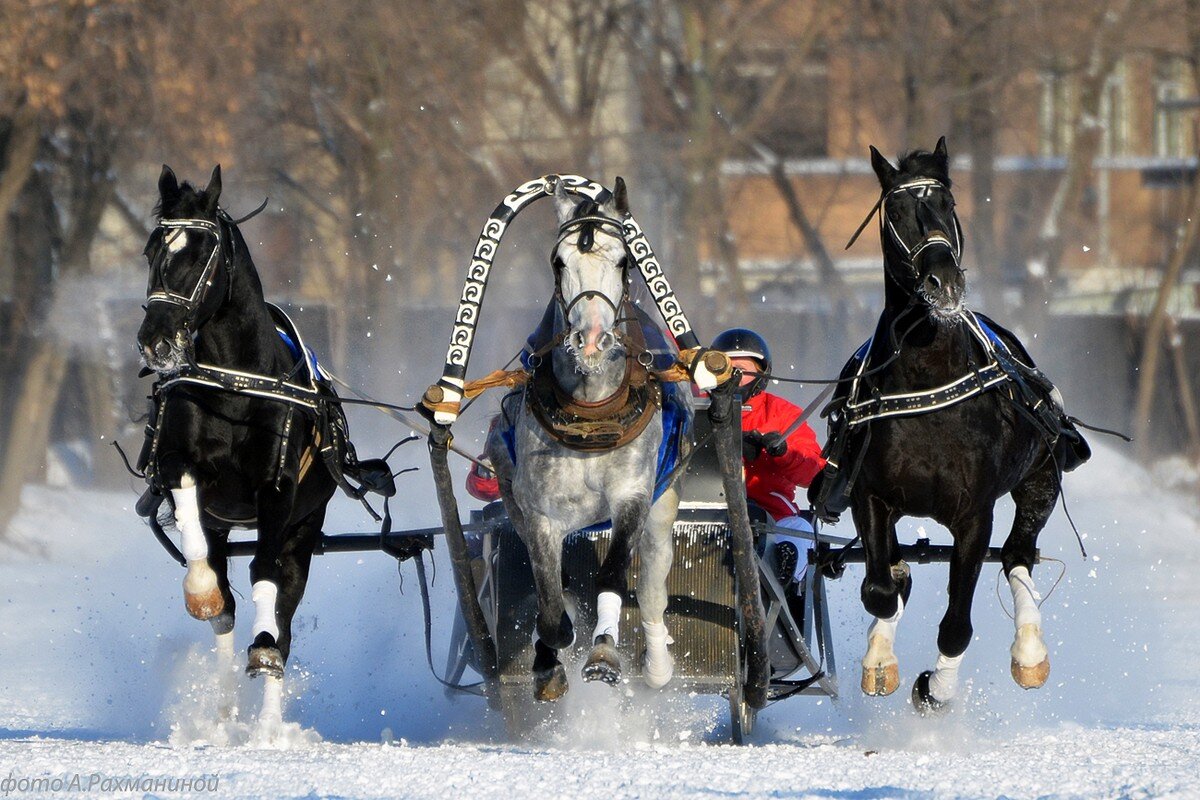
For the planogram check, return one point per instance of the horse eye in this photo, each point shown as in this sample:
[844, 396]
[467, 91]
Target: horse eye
[893, 215]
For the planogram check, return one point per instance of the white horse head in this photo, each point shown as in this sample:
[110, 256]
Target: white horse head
[591, 266]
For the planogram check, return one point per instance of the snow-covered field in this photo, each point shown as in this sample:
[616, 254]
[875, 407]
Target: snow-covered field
[103, 676]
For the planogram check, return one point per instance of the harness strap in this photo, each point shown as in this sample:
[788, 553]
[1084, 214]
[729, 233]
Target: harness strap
[911, 403]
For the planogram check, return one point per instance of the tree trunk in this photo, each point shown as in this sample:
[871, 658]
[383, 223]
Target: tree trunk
[1087, 137]
[1156, 323]
[25, 453]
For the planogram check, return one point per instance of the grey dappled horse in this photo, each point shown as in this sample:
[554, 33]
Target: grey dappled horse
[551, 490]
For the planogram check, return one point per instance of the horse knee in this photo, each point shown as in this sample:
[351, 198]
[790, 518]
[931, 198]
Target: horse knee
[557, 635]
[954, 636]
[880, 600]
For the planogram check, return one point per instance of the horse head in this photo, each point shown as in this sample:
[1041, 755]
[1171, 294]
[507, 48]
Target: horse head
[190, 258]
[591, 270]
[920, 233]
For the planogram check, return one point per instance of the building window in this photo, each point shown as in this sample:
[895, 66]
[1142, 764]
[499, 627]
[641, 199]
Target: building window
[1055, 131]
[1115, 111]
[1172, 138]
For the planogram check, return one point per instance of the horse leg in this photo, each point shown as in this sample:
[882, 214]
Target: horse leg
[883, 591]
[266, 575]
[657, 553]
[1035, 498]
[935, 688]
[201, 591]
[554, 628]
[222, 624]
[604, 662]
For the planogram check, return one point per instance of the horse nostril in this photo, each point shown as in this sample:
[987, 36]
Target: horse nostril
[933, 283]
[162, 348]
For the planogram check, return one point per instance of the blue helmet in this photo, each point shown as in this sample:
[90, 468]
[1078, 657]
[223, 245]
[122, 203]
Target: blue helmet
[745, 343]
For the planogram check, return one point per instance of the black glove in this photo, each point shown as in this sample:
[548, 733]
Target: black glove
[774, 444]
[752, 445]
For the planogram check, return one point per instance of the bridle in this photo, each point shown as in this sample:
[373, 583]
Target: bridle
[157, 251]
[586, 225]
[919, 189]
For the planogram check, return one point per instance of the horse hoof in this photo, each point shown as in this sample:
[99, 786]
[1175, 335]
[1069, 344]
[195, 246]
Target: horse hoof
[1031, 677]
[923, 700]
[882, 680]
[604, 663]
[550, 685]
[264, 661]
[204, 605]
[201, 594]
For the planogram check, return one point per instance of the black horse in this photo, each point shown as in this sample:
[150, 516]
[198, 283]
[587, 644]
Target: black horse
[945, 413]
[244, 433]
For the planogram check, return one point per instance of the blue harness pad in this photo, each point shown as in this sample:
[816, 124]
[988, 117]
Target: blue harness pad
[295, 351]
[676, 418]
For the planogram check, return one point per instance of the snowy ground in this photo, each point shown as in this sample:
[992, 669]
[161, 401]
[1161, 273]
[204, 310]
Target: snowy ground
[102, 674]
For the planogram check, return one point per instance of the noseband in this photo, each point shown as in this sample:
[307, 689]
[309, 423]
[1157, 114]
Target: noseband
[920, 189]
[157, 253]
[586, 225]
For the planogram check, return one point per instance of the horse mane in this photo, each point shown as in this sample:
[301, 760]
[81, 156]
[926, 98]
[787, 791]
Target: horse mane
[188, 203]
[924, 164]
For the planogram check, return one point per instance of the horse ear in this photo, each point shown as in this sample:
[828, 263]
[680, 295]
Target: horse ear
[620, 198]
[168, 185]
[883, 169]
[212, 192]
[564, 203]
[941, 153]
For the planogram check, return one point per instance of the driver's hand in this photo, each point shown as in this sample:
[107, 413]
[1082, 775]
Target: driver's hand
[752, 445]
[774, 444]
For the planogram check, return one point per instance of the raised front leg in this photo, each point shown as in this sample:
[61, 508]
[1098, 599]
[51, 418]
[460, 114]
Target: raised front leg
[201, 589]
[629, 520]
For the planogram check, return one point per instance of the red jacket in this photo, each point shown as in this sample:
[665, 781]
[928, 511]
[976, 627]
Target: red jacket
[771, 482]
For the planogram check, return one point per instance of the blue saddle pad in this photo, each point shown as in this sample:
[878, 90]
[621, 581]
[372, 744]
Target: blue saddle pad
[676, 418]
[295, 351]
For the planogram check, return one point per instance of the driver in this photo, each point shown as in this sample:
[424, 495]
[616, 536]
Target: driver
[775, 466]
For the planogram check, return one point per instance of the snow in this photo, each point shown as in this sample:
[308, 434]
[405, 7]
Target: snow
[103, 674]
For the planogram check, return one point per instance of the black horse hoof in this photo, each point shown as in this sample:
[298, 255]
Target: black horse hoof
[924, 701]
[604, 663]
[264, 658]
[550, 685]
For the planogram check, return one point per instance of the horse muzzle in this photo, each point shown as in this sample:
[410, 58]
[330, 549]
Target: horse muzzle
[590, 348]
[942, 284]
[163, 353]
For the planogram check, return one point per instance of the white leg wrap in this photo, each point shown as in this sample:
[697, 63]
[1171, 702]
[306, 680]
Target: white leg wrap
[943, 683]
[225, 649]
[1028, 648]
[880, 637]
[608, 616]
[264, 594]
[272, 704]
[187, 519]
[659, 666]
